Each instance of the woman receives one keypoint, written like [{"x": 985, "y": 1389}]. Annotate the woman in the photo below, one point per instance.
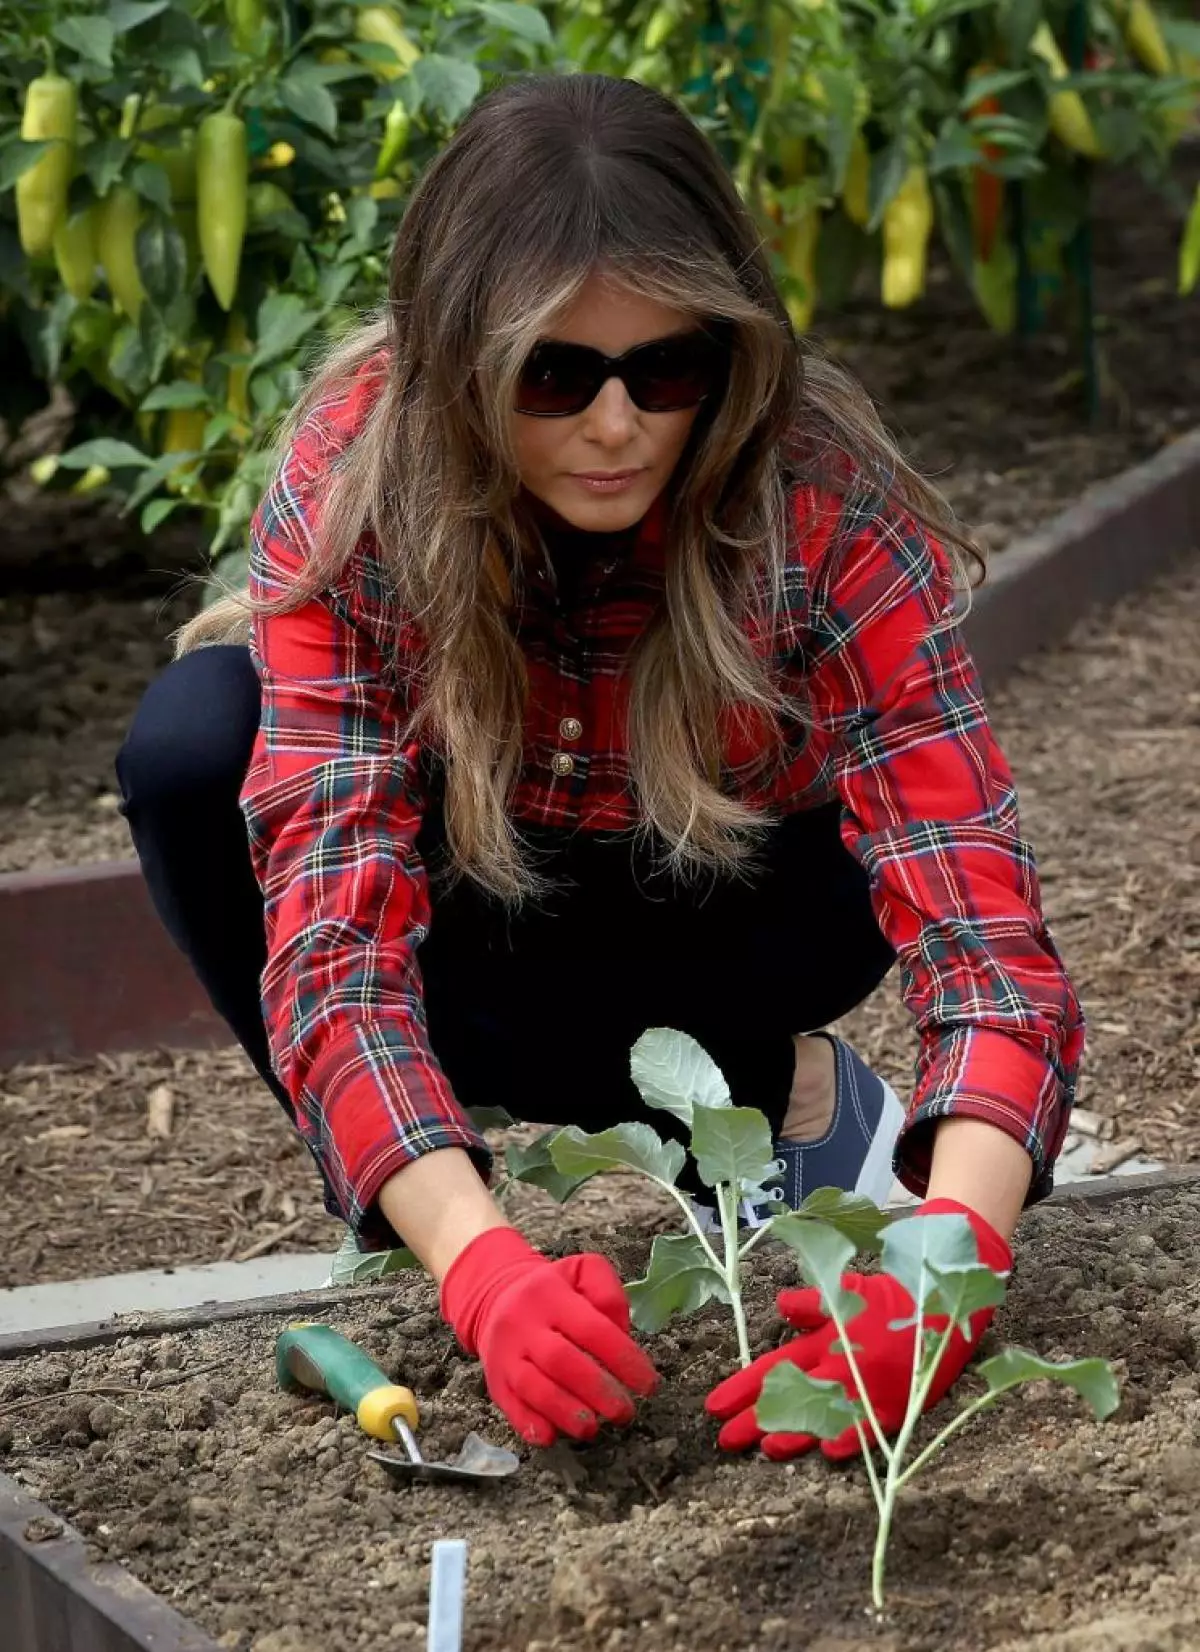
[{"x": 603, "y": 675}]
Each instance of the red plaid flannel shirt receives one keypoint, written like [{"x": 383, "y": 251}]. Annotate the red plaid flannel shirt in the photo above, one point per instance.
[{"x": 333, "y": 800}]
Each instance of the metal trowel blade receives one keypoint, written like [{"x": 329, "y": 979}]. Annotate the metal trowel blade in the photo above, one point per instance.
[{"x": 476, "y": 1461}]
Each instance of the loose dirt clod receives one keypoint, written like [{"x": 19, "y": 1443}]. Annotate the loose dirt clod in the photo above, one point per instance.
[{"x": 1038, "y": 1530}]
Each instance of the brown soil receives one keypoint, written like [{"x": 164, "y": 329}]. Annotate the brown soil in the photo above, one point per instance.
[
  {"x": 997, "y": 422},
  {"x": 1104, "y": 737},
  {"x": 259, "y": 1516}
]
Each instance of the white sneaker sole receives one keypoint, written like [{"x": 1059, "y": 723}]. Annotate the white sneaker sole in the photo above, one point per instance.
[{"x": 876, "y": 1177}]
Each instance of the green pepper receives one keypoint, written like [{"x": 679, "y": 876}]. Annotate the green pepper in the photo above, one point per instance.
[
  {"x": 222, "y": 181},
  {"x": 380, "y": 26},
  {"x": 245, "y": 22},
  {"x": 50, "y": 111},
  {"x": 116, "y": 240},
  {"x": 266, "y": 200},
  {"x": 76, "y": 254},
  {"x": 395, "y": 139}
]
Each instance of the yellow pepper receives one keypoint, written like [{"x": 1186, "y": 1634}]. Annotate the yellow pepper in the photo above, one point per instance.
[
  {"x": 49, "y": 114},
  {"x": 1146, "y": 39},
  {"x": 380, "y": 26},
  {"x": 798, "y": 245},
  {"x": 116, "y": 241},
  {"x": 792, "y": 151},
  {"x": 238, "y": 399},
  {"x": 856, "y": 191},
  {"x": 1069, "y": 119},
  {"x": 76, "y": 254},
  {"x": 994, "y": 280},
  {"x": 907, "y": 223},
  {"x": 183, "y": 433}
]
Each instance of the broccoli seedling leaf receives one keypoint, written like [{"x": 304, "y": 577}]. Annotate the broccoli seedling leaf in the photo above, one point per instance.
[
  {"x": 623, "y": 1147},
  {"x": 792, "y": 1402},
  {"x": 852, "y": 1214},
  {"x": 491, "y": 1118},
  {"x": 731, "y": 1144},
  {"x": 823, "y": 1255},
  {"x": 679, "y": 1279},
  {"x": 1092, "y": 1379},
  {"x": 936, "y": 1259},
  {"x": 534, "y": 1164},
  {"x": 675, "y": 1073}
]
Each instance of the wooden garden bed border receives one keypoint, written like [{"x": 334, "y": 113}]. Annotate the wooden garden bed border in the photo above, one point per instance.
[
  {"x": 88, "y": 967},
  {"x": 54, "y": 1599}
]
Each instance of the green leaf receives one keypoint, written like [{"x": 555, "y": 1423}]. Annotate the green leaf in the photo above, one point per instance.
[
  {"x": 1093, "y": 1379},
  {"x": 936, "y": 1259},
  {"x": 534, "y": 1164},
  {"x": 850, "y": 1214},
  {"x": 679, "y": 1279},
  {"x": 18, "y": 155},
  {"x": 732, "y": 1144},
  {"x": 990, "y": 86},
  {"x": 792, "y": 1402},
  {"x": 362, "y": 214},
  {"x": 446, "y": 85},
  {"x": 182, "y": 65},
  {"x": 283, "y": 320},
  {"x": 623, "y": 1147},
  {"x": 823, "y": 1254},
  {"x": 161, "y": 260},
  {"x": 491, "y": 1118},
  {"x": 105, "y": 161},
  {"x": 889, "y": 167},
  {"x": 310, "y": 101},
  {"x": 354, "y": 1267},
  {"x": 157, "y": 511},
  {"x": 131, "y": 14},
  {"x": 525, "y": 21},
  {"x": 217, "y": 428},
  {"x": 151, "y": 182},
  {"x": 104, "y": 450},
  {"x": 91, "y": 37},
  {"x": 1017, "y": 21},
  {"x": 674, "y": 1072},
  {"x": 179, "y": 393}
]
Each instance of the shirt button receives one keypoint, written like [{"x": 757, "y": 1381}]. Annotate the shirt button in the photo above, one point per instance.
[
  {"x": 562, "y": 763},
  {"x": 570, "y": 728}
]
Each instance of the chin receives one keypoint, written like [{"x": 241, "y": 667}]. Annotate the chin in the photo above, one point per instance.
[{"x": 599, "y": 515}]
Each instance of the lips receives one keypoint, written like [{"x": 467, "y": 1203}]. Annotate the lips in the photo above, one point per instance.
[{"x": 606, "y": 475}]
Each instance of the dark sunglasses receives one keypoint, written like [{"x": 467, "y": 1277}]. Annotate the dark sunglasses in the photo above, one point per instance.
[{"x": 663, "y": 376}]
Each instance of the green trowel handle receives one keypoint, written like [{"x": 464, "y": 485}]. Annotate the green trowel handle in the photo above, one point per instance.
[{"x": 316, "y": 1359}]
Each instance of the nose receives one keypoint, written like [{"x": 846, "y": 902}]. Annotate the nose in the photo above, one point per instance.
[{"x": 611, "y": 420}]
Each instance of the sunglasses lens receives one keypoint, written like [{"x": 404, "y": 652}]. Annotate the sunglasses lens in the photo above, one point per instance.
[
  {"x": 557, "y": 379},
  {"x": 674, "y": 373}
]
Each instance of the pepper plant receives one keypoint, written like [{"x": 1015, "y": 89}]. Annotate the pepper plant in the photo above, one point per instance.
[{"x": 936, "y": 1259}]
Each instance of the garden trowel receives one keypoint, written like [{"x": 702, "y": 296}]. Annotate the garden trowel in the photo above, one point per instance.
[{"x": 315, "y": 1359}]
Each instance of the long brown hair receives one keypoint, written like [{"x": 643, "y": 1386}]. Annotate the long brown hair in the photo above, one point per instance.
[{"x": 549, "y": 179}]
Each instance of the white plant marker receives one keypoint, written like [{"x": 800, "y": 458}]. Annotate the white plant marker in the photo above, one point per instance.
[{"x": 447, "y": 1595}]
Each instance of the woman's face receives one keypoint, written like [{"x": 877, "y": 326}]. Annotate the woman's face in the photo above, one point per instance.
[{"x": 602, "y": 469}]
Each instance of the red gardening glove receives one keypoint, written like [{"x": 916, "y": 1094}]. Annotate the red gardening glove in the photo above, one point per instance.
[
  {"x": 884, "y": 1357},
  {"x": 553, "y": 1337}
]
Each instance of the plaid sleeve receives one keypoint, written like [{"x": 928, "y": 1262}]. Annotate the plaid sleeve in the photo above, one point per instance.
[
  {"x": 931, "y": 812},
  {"x": 333, "y": 803}
]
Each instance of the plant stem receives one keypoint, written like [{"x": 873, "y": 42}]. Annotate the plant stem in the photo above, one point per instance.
[
  {"x": 685, "y": 1204},
  {"x": 925, "y": 1368},
  {"x": 860, "y": 1386},
  {"x": 727, "y": 1205},
  {"x": 952, "y": 1427}
]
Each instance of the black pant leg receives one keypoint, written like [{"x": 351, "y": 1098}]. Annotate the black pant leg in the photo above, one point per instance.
[{"x": 180, "y": 772}]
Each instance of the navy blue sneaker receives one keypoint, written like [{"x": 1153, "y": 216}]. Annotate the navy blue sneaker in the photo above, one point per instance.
[{"x": 854, "y": 1154}]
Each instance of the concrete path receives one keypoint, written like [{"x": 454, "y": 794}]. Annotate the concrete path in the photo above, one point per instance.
[{"x": 82, "y": 1301}]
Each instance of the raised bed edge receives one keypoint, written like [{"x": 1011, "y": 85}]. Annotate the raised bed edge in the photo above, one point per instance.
[
  {"x": 100, "y": 974},
  {"x": 54, "y": 1599},
  {"x": 57, "y": 1339}
]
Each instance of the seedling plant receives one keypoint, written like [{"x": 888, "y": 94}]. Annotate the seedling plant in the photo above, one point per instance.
[{"x": 935, "y": 1259}]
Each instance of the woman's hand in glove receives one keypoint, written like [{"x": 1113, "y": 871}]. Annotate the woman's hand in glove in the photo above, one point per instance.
[
  {"x": 553, "y": 1337},
  {"x": 884, "y": 1357}
]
